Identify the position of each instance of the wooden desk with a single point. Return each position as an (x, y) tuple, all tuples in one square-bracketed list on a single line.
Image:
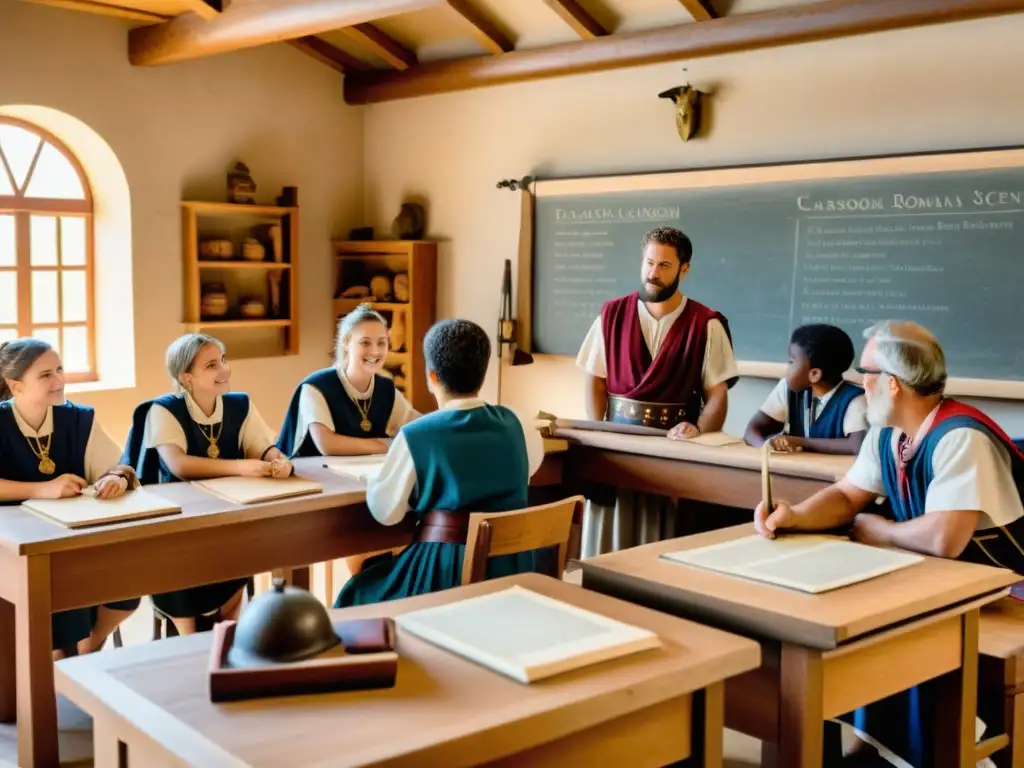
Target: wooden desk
[(729, 475), (647, 709), (825, 655), (45, 567)]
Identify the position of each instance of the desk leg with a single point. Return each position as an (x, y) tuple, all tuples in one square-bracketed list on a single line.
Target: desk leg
[(107, 750), (708, 724), (957, 694), (8, 683), (801, 715), (37, 702)]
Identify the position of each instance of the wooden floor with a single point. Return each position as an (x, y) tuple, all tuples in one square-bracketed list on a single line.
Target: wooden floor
[(76, 726)]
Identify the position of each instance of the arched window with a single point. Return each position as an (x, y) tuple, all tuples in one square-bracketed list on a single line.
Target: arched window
[(46, 246)]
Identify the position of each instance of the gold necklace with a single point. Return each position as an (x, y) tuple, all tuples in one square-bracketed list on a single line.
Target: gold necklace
[(366, 425), (42, 452), (212, 451)]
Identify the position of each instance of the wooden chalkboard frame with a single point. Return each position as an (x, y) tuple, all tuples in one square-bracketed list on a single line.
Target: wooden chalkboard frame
[(941, 161)]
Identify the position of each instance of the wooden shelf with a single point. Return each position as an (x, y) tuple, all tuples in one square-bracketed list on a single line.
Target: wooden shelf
[(240, 278), (260, 322), (344, 305), (205, 207), (398, 357), (230, 264)]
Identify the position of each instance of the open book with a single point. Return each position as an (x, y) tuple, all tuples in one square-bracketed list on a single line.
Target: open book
[(86, 510), (808, 563), (524, 635), (363, 468)]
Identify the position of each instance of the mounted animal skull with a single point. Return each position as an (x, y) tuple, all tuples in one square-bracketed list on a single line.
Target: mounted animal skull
[(688, 101)]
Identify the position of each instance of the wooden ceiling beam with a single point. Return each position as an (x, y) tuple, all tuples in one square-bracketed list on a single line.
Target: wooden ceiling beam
[(577, 17), (106, 10), (778, 27), (247, 25), (701, 10), (382, 45), (332, 56), (203, 9), (485, 30)]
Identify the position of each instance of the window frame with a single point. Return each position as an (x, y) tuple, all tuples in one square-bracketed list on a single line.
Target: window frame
[(23, 208)]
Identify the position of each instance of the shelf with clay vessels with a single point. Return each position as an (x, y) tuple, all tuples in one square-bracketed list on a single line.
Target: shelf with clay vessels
[(234, 264), (345, 305), (241, 322)]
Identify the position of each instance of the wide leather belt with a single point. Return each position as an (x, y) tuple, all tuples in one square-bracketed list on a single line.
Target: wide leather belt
[(661, 415), (444, 527)]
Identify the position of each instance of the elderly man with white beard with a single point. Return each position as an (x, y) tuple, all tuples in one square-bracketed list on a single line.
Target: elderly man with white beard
[(952, 482)]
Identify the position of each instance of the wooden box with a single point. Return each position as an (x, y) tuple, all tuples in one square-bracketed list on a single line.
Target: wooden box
[(331, 671)]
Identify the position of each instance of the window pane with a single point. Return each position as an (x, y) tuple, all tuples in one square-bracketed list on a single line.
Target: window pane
[(50, 335), (72, 241), (9, 297), (44, 297), (5, 180), (8, 334), (54, 176), (19, 147), (76, 350), (7, 241), (43, 231), (73, 296)]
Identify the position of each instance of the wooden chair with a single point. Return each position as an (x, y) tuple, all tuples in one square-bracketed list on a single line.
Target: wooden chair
[(505, 533), (1001, 682)]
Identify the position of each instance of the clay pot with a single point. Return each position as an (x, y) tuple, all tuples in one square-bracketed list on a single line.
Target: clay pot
[(253, 308), (253, 250), (216, 248), (215, 300)]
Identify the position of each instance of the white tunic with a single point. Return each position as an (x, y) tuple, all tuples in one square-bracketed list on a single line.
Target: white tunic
[(719, 362), (313, 409), (387, 495), (163, 429), (101, 452), (971, 472), (776, 406)]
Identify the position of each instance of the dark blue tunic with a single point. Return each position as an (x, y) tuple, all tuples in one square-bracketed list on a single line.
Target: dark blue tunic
[(72, 425), (829, 423), (904, 722), (344, 412), (194, 601), (469, 460)]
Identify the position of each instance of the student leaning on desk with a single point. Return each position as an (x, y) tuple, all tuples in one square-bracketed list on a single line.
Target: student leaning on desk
[(813, 408), (952, 481)]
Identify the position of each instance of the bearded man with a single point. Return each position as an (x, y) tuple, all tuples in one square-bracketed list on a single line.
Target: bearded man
[(655, 358), (952, 482)]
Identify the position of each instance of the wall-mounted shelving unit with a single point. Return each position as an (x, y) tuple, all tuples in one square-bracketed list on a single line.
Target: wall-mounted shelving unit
[(357, 262), (219, 289)]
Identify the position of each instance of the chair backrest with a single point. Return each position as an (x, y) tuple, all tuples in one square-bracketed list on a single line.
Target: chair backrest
[(505, 533)]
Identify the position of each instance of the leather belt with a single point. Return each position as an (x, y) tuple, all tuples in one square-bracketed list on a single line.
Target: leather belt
[(444, 527), (661, 415)]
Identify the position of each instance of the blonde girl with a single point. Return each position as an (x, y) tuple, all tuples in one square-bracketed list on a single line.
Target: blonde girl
[(352, 408), (201, 430)]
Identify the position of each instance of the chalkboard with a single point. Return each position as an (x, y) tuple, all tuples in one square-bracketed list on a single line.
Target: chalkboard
[(937, 239)]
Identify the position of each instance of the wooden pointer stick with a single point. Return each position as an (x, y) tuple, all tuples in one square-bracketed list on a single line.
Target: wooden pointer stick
[(766, 479)]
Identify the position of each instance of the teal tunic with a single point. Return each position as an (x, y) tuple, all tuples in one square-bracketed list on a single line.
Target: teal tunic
[(466, 460)]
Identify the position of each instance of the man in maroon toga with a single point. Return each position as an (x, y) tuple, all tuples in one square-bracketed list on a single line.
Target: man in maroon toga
[(657, 358)]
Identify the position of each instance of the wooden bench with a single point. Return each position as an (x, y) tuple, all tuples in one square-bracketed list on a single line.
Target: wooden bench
[(1001, 682)]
